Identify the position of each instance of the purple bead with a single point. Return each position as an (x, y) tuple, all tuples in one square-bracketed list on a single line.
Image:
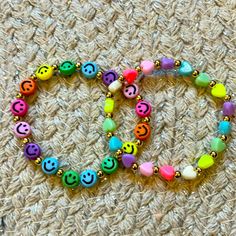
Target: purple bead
[(32, 151), (109, 76), (128, 160), (228, 109), (167, 63)]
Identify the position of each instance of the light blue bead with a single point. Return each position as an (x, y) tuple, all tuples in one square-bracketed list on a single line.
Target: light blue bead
[(50, 165), (185, 69), (89, 69), (88, 178), (224, 127), (115, 144)]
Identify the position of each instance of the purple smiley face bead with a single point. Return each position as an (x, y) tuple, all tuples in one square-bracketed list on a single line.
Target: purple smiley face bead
[(32, 151), (109, 76)]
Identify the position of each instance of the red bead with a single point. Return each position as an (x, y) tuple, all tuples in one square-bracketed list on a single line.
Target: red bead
[(130, 75)]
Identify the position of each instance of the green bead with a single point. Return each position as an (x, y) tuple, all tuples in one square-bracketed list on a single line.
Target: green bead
[(67, 67), (217, 145), (109, 125), (203, 80), (70, 179), (109, 165), (205, 161)]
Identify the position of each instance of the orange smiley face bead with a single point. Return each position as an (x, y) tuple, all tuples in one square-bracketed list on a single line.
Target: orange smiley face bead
[(28, 87), (142, 131)]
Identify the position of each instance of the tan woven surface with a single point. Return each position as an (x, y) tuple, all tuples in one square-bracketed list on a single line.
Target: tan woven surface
[(67, 117)]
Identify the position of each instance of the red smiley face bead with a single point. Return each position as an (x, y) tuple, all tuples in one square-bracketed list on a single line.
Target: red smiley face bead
[(142, 131), (143, 109)]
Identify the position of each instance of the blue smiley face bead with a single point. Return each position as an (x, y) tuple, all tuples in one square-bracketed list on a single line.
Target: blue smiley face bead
[(88, 178), (50, 165), (89, 69)]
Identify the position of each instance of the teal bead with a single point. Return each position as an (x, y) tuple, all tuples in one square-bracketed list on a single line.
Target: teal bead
[(67, 68), (89, 69), (224, 127), (217, 145), (115, 144), (203, 80), (185, 69), (109, 125)]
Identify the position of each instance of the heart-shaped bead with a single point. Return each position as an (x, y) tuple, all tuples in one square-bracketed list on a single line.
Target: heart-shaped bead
[(217, 145), (109, 125), (218, 91), (128, 160), (147, 67), (205, 161), (224, 127), (185, 68), (146, 169), (167, 172), (115, 144), (228, 109), (189, 173), (203, 80), (130, 75)]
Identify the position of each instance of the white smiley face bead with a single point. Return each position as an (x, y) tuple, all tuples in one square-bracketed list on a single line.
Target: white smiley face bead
[(22, 129)]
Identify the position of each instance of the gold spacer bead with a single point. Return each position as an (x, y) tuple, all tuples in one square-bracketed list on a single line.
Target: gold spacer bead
[(177, 63), (226, 118), (157, 64), (199, 170), (33, 77), (78, 65), (109, 115), (60, 172), (16, 118), (19, 95), (100, 174), (138, 142), (138, 98), (146, 119), (195, 73), (109, 95), (212, 83), (224, 138), (109, 135), (177, 174), (99, 75), (55, 67), (138, 69), (134, 166), (156, 170), (26, 140), (38, 161), (213, 154), (119, 152), (121, 78), (227, 97)]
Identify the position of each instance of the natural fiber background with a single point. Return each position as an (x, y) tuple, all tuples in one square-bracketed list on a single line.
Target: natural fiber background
[(67, 116)]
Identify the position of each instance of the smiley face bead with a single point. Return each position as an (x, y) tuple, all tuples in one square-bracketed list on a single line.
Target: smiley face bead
[(143, 109), (28, 87), (131, 91), (142, 131), (88, 178), (130, 148), (19, 107), (50, 165), (70, 179), (109, 76), (67, 68), (89, 69), (32, 151), (44, 72), (109, 165), (22, 129)]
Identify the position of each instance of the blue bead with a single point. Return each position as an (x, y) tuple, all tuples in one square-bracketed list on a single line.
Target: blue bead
[(89, 69), (88, 178), (115, 144), (185, 69), (50, 165), (224, 127)]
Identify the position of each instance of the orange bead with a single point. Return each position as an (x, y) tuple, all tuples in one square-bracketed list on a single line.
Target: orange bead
[(28, 87), (142, 131)]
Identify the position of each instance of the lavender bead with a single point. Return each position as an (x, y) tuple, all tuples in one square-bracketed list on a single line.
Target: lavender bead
[(109, 76), (32, 151), (167, 63), (128, 160), (228, 109)]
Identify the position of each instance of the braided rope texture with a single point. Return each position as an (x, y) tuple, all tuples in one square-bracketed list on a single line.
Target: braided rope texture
[(67, 116)]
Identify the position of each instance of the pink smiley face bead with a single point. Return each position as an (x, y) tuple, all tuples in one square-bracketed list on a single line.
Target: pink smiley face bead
[(19, 107), (143, 109), (131, 90), (22, 129)]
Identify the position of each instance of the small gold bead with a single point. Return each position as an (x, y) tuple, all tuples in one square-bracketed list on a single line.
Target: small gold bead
[(100, 174), (16, 118), (121, 78), (156, 170), (146, 119), (78, 65), (26, 140), (199, 170), (109, 135), (99, 75), (177, 174), (177, 63), (213, 154), (224, 138), (138, 69), (138, 98), (195, 73), (212, 83), (33, 77), (55, 67), (60, 172), (109, 95), (226, 118), (227, 97), (134, 166), (119, 152), (109, 115), (138, 142), (38, 161), (19, 95), (157, 64)]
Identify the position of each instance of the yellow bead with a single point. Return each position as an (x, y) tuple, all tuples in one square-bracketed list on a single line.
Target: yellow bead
[(44, 72), (205, 161), (218, 91), (109, 105)]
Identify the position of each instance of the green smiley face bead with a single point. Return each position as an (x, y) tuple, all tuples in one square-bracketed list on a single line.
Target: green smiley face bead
[(70, 179), (67, 68), (109, 165)]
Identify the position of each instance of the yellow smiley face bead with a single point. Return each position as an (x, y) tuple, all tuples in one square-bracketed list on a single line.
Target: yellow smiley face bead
[(130, 148), (44, 72)]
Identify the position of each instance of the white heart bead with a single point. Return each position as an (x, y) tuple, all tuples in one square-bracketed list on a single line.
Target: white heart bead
[(189, 173), (115, 86)]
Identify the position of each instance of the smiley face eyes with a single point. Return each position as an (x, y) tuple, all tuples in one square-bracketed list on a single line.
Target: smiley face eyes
[(70, 176), (45, 71), (89, 71)]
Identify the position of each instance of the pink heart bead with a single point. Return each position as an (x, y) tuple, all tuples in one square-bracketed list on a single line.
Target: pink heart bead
[(130, 75), (146, 169), (147, 67), (167, 172)]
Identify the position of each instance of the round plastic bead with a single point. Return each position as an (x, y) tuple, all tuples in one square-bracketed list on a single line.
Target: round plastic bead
[(115, 144), (130, 148), (185, 69), (109, 105), (143, 109), (205, 161), (44, 72), (167, 172), (142, 131), (22, 129), (131, 91), (89, 70), (167, 63), (130, 75), (70, 179), (88, 178), (50, 165), (109, 125), (32, 151), (228, 109), (224, 127), (147, 169), (19, 107), (109, 165), (203, 80), (28, 87), (67, 67), (147, 67), (218, 91), (109, 76)]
